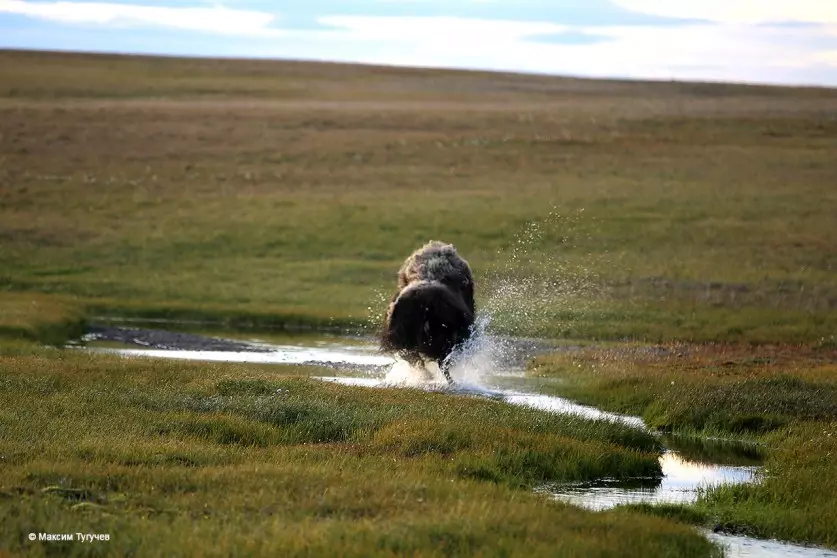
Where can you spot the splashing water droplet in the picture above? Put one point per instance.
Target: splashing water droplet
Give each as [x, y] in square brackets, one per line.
[537, 286]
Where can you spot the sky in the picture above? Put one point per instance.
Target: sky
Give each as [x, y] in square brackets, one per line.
[754, 41]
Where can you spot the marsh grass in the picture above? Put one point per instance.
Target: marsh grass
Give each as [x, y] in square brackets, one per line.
[740, 389]
[206, 459]
[783, 398]
[796, 499]
[274, 194]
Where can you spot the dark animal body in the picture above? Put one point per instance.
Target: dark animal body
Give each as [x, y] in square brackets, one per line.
[433, 311]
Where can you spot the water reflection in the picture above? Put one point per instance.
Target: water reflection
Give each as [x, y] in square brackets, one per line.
[717, 451]
[333, 354]
[567, 407]
[745, 547]
[680, 484]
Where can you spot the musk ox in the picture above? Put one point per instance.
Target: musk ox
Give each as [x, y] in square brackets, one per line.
[433, 311]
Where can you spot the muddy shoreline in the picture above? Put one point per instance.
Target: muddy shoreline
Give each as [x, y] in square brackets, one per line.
[168, 340]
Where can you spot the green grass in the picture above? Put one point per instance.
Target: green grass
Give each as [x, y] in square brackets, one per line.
[742, 390]
[47, 319]
[782, 397]
[191, 459]
[796, 501]
[278, 194]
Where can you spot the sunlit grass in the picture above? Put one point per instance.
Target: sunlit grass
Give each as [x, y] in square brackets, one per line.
[195, 459]
[796, 500]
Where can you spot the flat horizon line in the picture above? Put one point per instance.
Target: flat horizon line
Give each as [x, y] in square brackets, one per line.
[419, 68]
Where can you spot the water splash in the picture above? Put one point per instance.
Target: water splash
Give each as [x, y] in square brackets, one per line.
[479, 357]
[376, 312]
[537, 285]
[544, 280]
[473, 366]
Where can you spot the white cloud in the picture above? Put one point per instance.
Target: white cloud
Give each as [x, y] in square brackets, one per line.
[443, 29]
[828, 58]
[215, 19]
[731, 52]
[739, 11]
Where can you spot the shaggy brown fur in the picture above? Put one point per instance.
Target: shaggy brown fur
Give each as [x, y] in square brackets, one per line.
[433, 311]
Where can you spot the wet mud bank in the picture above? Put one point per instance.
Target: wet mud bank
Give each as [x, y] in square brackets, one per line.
[511, 353]
[166, 340]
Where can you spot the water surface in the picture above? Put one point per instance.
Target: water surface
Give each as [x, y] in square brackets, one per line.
[682, 480]
[736, 546]
[346, 355]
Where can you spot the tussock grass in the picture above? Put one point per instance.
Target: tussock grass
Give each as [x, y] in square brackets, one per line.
[783, 397]
[285, 194]
[208, 459]
[796, 500]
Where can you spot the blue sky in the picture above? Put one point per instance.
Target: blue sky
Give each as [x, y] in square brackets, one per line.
[762, 41]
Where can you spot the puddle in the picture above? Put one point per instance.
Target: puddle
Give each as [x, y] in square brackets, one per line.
[688, 465]
[543, 402]
[681, 482]
[352, 357]
[197, 340]
[744, 547]
[343, 355]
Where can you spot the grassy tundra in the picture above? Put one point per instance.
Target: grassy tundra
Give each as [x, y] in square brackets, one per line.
[191, 459]
[275, 193]
[279, 194]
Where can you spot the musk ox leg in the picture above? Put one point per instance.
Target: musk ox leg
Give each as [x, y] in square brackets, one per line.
[444, 366]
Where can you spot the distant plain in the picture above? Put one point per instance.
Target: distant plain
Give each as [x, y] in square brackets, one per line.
[280, 192]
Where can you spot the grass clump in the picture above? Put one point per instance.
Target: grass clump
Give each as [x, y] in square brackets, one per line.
[796, 498]
[198, 459]
[729, 389]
